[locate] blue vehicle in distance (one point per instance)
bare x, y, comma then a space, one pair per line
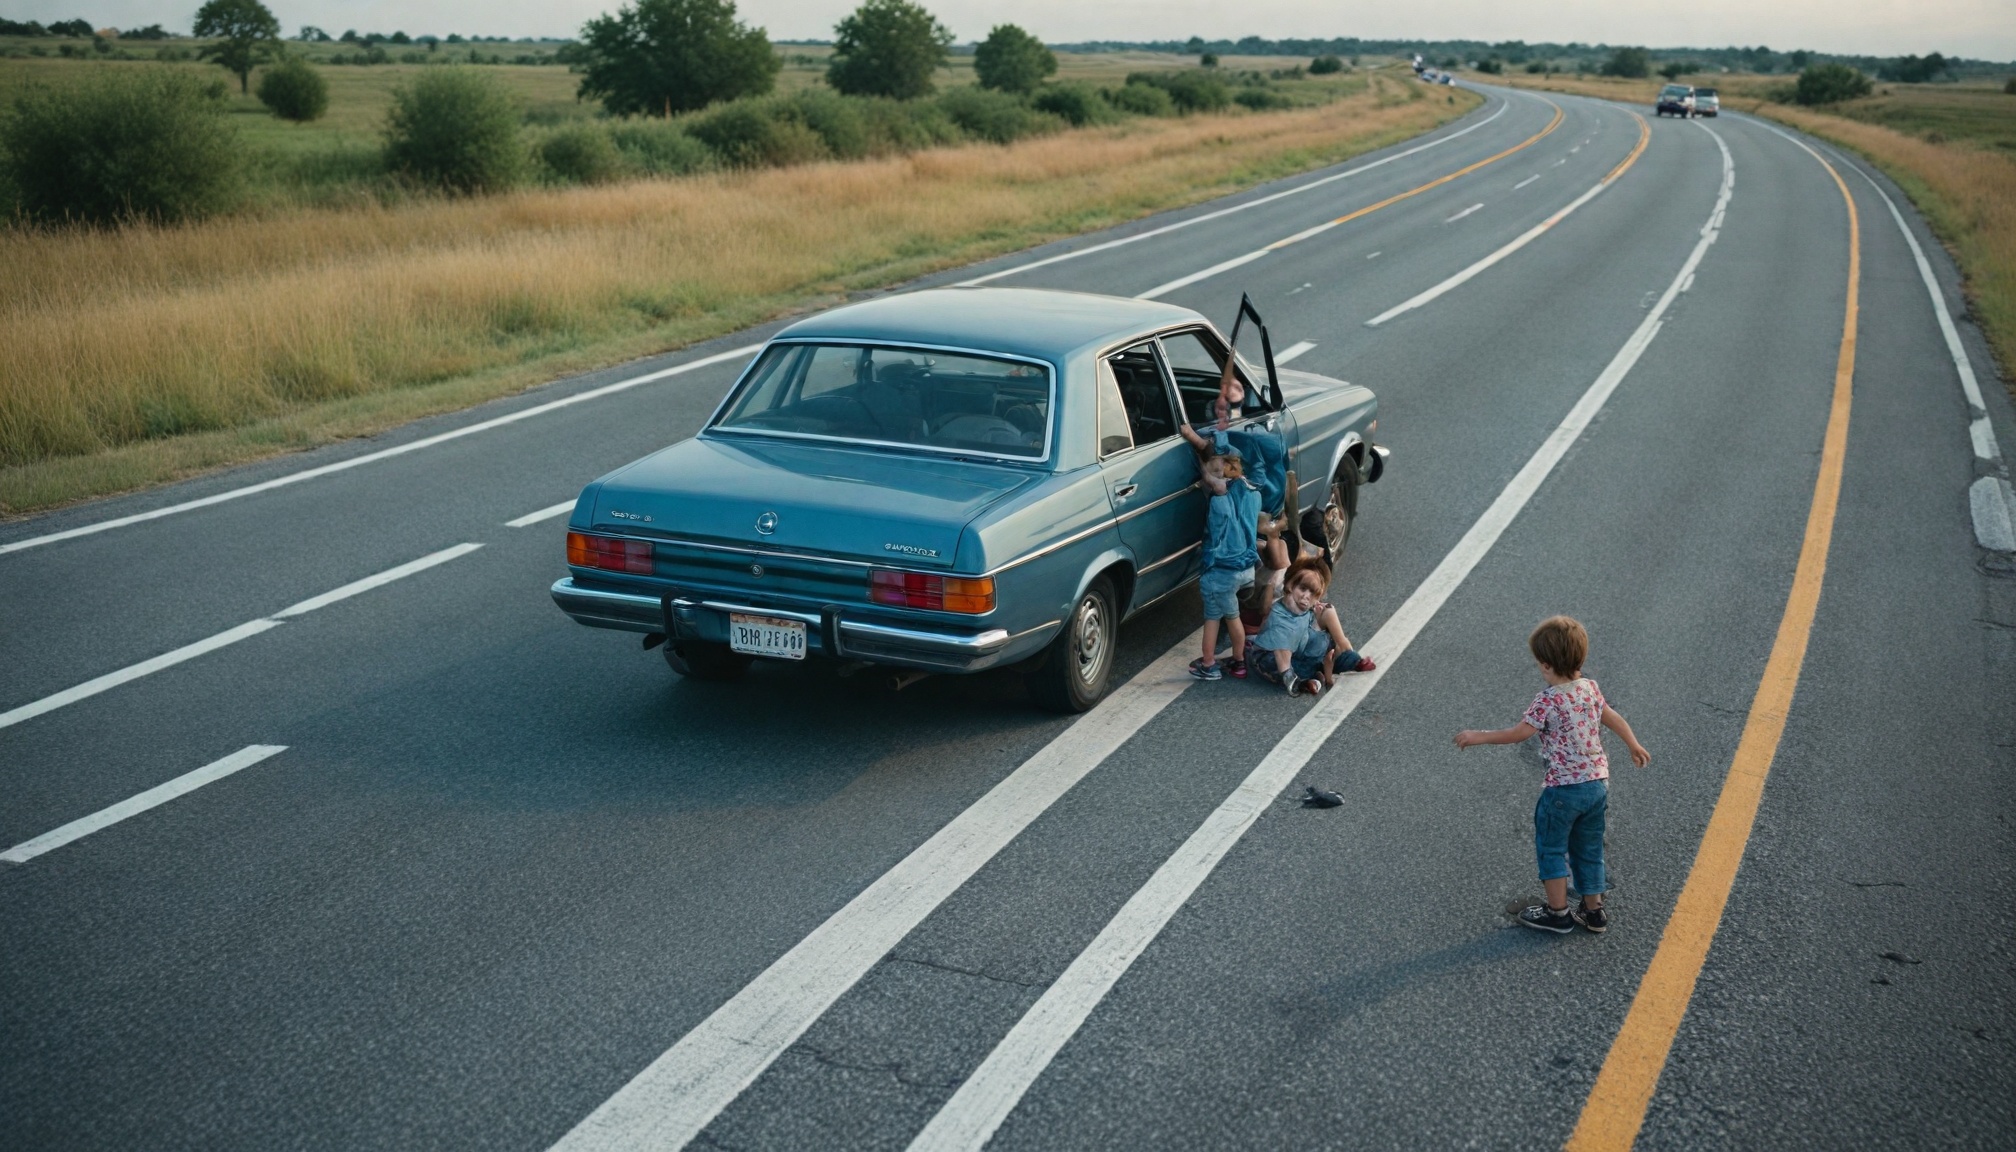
948, 481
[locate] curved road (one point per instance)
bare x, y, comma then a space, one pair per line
511, 884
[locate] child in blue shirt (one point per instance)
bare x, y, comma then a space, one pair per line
1303, 646
1231, 524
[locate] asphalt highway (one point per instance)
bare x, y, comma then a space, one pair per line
504, 863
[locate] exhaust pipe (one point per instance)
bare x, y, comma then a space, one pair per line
904, 679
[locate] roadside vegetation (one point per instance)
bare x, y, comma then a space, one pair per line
151, 349
1950, 146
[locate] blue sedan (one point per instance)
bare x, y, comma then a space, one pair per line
948, 481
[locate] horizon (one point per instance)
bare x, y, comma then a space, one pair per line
1969, 29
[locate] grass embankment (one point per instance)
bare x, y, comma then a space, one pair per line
145, 354
1950, 147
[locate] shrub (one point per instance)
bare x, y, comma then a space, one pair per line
455, 129
294, 91
836, 119
150, 144
1011, 60
996, 116
757, 133
887, 48
2009, 86
581, 154
1261, 99
1539, 67
666, 56
906, 125
1141, 100
1208, 60
1491, 67
659, 147
1081, 104
1325, 66
1192, 90
1630, 63
1830, 84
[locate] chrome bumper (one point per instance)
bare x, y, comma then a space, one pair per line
826, 632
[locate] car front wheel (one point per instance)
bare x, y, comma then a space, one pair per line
1329, 527
1072, 673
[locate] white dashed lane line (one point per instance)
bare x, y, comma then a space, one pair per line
152, 798
560, 509
1526, 181
1292, 351
1463, 213
227, 637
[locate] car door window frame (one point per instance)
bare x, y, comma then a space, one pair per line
1107, 378
1257, 402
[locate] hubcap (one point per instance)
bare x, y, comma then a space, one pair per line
1336, 521
1088, 630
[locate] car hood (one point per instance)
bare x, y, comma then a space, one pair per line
823, 499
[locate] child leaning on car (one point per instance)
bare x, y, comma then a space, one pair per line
1231, 523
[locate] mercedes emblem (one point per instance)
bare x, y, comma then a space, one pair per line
766, 523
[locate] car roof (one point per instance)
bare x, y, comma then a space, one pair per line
1040, 323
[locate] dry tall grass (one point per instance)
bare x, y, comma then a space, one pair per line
115, 339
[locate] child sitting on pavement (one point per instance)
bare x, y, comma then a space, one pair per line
1230, 522
1303, 646
1569, 716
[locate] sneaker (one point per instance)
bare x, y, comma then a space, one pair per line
1238, 668
1591, 918
1547, 919
1203, 671
1291, 682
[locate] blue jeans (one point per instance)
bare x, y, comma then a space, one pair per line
1220, 589
1568, 834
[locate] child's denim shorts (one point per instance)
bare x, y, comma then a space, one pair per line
1568, 834
1220, 587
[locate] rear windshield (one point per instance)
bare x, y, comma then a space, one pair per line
1704, 93
947, 401
1673, 90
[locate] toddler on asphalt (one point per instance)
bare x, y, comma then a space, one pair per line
1303, 646
1568, 715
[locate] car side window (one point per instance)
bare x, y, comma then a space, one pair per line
1197, 363
1114, 434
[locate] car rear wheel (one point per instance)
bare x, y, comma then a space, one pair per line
700, 660
1072, 673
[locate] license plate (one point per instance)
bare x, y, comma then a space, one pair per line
766, 636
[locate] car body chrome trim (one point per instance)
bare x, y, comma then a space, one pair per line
1176, 555
1053, 546
1150, 507
1053, 371
809, 619
979, 644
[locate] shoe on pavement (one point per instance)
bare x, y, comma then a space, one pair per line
1238, 668
1592, 919
1546, 919
1203, 671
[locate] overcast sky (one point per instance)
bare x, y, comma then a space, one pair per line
1983, 29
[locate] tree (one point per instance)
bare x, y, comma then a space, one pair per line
1830, 84
1631, 63
1011, 60
294, 91
310, 34
1672, 69
887, 48
149, 144
246, 34
1325, 65
666, 56
456, 129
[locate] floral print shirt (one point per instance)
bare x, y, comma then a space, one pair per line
1569, 718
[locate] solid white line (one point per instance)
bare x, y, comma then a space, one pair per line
229, 636
1463, 213
1990, 504
1526, 181
1375, 255
969, 1119
152, 798
679, 1093
381, 454
1180, 224
1160, 290
1292, 351
559, 509
1523, 239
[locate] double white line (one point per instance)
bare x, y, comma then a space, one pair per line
674, 1098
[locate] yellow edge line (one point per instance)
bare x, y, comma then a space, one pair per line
1644, 138
1616, 1106
1435, 183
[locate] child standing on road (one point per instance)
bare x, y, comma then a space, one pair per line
1569, 715
1303, 646
1230, 531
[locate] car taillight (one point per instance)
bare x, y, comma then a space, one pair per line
585, 551
939, 593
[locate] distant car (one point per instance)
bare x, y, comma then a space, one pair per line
948, 480
1676, 100
1706, 103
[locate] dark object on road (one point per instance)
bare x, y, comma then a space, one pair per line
1900, 958
1317, 798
